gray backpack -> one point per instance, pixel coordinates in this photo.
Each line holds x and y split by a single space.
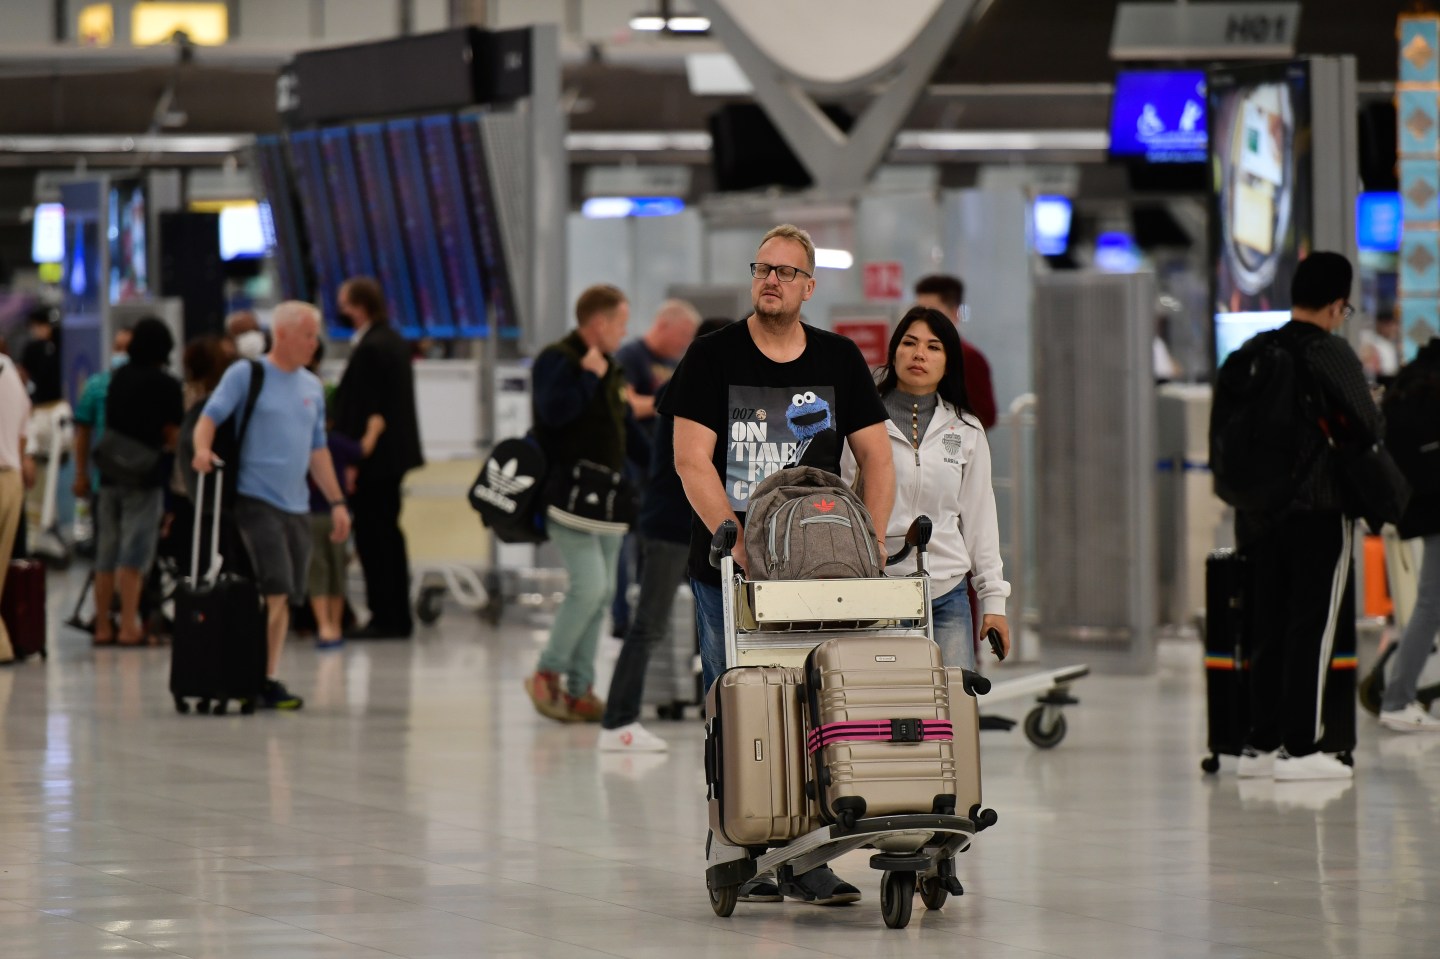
805 523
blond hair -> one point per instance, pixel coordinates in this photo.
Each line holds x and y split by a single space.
789 231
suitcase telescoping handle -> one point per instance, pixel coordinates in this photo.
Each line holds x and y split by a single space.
213 570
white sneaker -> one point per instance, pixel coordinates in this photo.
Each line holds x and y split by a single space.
1412 718
1255 764
631 738
1313 766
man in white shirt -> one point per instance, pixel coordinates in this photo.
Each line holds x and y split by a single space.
17 471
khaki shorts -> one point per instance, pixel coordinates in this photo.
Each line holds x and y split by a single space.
327 559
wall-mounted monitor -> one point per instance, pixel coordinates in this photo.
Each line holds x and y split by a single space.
1377 222
242 232
1051 218
129 263
1262 218
47 234
1159 116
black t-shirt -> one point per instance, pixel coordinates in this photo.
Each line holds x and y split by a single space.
142 401
41 359
769 415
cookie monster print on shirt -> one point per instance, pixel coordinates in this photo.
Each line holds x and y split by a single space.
773 428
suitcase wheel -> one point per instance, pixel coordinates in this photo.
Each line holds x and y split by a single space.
221 707
933 893
430 604
1210 765
1038 733
202 706
897 898
723 900
181 706
247 707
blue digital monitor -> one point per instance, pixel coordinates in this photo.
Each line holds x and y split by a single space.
457 234
383 213
1378 222
1159 116
1051 218
418 224
278 216
346 202
319 224
499 290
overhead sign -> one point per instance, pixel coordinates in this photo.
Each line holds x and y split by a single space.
1189 31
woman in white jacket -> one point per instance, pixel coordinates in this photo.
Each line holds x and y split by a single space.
942 470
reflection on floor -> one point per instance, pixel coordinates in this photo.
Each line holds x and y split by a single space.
417 807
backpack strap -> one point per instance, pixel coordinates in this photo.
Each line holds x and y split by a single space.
242 425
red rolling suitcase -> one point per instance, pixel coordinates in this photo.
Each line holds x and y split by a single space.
218 652
22 606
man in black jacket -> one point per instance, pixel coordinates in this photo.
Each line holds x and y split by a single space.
375 406
1300 556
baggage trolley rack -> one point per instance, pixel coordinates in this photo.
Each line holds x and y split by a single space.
912 850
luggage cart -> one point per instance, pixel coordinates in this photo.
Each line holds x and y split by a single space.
778 623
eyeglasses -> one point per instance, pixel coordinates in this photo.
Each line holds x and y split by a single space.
1348 311
785 273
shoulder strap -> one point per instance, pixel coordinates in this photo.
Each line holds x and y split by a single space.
257 383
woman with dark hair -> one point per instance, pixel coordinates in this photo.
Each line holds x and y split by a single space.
942 470
142 410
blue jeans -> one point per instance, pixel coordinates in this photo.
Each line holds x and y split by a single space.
1419 636
710 624
590 560
954 627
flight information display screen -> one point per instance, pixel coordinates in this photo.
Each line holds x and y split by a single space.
309 164
498 289
452 218
418 225
346 202
383 214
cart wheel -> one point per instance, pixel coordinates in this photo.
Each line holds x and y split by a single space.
430 604
1210 764
723 900
897 898
933 893
181 706
202 706
221 707
1036 732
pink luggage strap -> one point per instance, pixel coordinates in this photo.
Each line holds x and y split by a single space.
880 731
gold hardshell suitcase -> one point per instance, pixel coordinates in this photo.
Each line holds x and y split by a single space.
880 730
965 721
755 762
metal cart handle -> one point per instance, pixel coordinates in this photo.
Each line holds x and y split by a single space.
723 542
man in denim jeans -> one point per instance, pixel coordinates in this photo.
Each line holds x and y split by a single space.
748 401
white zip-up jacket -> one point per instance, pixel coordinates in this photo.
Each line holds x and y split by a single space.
948 480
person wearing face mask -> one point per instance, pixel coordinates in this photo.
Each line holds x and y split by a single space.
375 407
942 470
242 330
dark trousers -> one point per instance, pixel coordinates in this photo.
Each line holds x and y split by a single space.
375 509
1303 604
662 571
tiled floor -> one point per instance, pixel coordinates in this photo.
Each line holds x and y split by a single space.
418 808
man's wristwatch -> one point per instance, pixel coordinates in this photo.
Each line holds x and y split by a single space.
338 502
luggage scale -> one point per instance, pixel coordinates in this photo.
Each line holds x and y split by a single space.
778 622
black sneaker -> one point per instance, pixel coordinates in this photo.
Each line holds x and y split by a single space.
276 696
760 890
821 887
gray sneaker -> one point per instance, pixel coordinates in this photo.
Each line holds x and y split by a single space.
821 887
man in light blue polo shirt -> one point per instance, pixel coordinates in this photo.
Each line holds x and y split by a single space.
284 443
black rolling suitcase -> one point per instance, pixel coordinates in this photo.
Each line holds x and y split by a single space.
219 647
1228 647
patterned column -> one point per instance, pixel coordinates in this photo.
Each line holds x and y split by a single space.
1418 112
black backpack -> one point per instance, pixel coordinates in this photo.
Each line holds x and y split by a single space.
1412 419
229 438
1261 425
506 494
